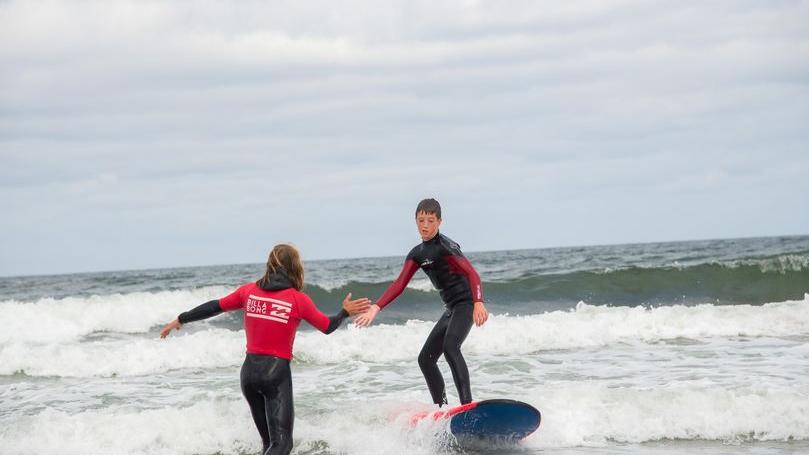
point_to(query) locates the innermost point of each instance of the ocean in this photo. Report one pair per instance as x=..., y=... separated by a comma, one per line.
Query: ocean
x=659, y=348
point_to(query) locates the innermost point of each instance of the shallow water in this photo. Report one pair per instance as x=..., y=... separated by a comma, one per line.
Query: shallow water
x=82, y=370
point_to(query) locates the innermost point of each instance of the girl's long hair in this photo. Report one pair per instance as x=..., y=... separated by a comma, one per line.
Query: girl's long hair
x=284, y=258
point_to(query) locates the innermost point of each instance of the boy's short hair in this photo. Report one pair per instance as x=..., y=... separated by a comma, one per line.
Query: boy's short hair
x=429, y=206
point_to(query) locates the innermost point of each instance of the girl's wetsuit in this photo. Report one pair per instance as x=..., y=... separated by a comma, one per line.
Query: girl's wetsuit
x=271, y=316
x=459, y=286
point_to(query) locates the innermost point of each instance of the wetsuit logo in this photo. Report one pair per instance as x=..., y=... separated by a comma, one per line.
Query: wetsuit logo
x=426, y=262
x=254, y=306
x=267, y=308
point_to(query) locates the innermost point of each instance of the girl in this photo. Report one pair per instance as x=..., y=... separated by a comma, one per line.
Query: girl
x=273, y=307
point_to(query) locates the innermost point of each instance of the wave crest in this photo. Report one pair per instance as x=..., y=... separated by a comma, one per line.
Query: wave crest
x=584, y=327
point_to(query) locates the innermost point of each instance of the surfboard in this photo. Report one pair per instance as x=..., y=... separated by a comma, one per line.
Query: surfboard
x=503, y=421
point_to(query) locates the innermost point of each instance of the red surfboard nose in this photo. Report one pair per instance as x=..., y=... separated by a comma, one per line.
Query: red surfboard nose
x=436, y=415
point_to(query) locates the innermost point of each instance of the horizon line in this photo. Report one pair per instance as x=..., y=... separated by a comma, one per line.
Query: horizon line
x=173, y=267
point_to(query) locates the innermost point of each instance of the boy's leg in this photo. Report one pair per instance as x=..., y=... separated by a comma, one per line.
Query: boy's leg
x=460, y=323
x=428, y=359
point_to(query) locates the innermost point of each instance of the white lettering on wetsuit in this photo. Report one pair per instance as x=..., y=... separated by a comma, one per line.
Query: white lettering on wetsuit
x=254, y=306
x=279, y=310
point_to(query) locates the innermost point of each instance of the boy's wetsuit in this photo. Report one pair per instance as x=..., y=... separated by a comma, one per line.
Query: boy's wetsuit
x=459, y=286
x=272, y=313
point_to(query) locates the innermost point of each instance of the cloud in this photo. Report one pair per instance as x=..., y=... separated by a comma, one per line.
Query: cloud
x=158, y=125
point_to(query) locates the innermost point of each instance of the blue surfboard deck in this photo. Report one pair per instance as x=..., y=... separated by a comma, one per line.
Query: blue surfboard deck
x=501, y=420
x=489, y=421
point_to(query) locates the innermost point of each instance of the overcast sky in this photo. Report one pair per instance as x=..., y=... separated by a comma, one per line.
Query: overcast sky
x=139, y=134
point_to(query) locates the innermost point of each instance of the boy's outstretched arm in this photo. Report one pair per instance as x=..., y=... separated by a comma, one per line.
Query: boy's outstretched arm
x=394, y=290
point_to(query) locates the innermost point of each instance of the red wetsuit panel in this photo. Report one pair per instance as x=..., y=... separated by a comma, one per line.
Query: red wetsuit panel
x=271, y=318
x=395, y=289
x=461, y=264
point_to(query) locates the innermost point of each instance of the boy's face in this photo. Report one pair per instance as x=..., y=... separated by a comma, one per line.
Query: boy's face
x=427, y=224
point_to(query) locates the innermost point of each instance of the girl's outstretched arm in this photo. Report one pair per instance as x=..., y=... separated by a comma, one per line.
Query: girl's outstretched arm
x=328, y=324
x=233, y=301
x=173, y=325
x=204, y=311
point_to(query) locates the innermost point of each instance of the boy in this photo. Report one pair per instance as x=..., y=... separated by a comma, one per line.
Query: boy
x=459, y=285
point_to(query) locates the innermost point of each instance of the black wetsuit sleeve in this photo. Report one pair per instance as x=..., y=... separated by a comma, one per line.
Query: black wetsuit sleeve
x=201, y=312
x=335, y=321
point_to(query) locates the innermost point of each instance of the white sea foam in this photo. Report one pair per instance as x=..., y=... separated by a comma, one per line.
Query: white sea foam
x=59, y=320
x=574, y=414
x=125, y=357
x=206, y=427
x=779, y=264
x=591, y=413
x=588, y=413
x=69, y=319
x=421, y=285
x=327, y=284
x=585, y=327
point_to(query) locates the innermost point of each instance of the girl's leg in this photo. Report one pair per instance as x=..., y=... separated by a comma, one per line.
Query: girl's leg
x=249, y=374
x=280, y=413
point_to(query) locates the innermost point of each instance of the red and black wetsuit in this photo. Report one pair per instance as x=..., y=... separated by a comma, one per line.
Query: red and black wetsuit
x=459, y=285
x=271, y=317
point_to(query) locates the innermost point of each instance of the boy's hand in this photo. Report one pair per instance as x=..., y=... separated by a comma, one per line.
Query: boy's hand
x=479, y=314
x=367, y=318
x=353, y=307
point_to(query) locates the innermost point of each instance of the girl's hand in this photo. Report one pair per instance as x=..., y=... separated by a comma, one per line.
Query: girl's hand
x=479, y=314
x=355, y=306
x=367, y=318
x=175, y=325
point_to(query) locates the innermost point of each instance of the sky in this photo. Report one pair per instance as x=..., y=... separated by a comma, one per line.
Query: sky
x=146, y=134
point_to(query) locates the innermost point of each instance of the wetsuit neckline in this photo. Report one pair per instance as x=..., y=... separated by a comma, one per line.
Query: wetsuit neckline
x=435, y=237
x=277, y=281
